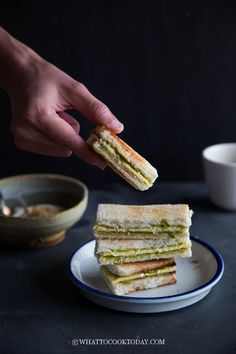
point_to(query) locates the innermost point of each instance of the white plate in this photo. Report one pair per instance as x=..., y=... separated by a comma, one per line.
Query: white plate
x=195, y=278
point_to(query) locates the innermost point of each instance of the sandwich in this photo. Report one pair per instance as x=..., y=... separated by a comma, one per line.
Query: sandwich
x=126, y=233
x=122, y=158
x=136, y=245
x=126, y=278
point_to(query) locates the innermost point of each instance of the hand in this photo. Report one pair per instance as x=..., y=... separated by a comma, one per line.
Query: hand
x=40, y=94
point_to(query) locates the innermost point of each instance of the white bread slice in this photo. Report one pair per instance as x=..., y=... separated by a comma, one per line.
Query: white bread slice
x=127, y=269
x=140, y=284
x=131, y=216
x=105, y=244
x=143, y=180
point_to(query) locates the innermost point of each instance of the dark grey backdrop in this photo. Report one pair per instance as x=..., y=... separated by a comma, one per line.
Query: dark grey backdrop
x=167, y=69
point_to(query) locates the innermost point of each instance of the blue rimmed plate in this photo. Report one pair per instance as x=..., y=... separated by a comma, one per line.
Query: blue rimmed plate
x=195, y=278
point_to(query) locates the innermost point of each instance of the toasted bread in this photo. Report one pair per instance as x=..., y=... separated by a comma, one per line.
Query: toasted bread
x=137, y=267
x=135, y=216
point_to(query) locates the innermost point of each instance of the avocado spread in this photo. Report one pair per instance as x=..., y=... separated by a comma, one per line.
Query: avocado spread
x=138, y=251
x=120, y=159
x=172, y=230
x=134, y=258
x=115, y=279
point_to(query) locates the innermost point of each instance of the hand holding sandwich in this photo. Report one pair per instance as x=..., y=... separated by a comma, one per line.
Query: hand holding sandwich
x=40, y=94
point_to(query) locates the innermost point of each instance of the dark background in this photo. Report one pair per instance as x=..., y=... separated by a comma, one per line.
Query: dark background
x=167, y=69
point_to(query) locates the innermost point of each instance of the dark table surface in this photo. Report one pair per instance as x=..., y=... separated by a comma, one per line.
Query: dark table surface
x=41, y=311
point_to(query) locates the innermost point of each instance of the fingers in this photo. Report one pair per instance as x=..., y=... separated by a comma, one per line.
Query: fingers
x=93, y=109
x=52, y=135
x=42, y=149
x=29, y=139
x=59, y=130
x=72, y=121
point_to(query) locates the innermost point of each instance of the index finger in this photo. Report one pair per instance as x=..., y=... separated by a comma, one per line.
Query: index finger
x=93, y=109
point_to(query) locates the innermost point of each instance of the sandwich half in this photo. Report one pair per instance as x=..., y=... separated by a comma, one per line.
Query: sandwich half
x=122, y=158
x=127, y=278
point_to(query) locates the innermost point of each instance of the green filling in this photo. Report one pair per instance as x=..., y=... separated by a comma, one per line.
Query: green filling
x=127, y=282
x=121, y=160
x=171, y=231
x=125, y=259
x=146, y=234
x=115, y=279
x=137, y=251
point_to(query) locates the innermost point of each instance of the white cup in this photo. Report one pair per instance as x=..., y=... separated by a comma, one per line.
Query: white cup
x=220, y=173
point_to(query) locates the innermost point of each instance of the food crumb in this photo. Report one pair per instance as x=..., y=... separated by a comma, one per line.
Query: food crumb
x=196, y=263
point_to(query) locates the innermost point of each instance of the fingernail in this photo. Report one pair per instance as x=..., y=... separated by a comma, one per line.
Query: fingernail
x=100, y=164
x=76, y=128
x=116, y=125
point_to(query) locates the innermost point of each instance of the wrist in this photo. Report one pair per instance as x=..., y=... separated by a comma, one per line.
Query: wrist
x=15, y=59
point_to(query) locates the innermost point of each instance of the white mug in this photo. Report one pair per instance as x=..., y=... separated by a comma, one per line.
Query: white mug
x=220, y=173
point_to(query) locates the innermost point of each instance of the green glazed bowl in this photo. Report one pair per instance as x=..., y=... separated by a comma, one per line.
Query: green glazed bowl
x=44, y=231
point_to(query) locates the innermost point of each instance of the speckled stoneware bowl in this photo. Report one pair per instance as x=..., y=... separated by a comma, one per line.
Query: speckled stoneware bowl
x=45, y=231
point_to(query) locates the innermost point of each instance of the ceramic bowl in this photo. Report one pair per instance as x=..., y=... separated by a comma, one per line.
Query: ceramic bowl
x=220, y=172
x=45, y=231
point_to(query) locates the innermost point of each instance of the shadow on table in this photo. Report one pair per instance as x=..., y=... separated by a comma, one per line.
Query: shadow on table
x=53, y=283
x=55, y=286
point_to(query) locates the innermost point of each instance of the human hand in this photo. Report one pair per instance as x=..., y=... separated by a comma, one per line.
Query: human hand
x=40, y=94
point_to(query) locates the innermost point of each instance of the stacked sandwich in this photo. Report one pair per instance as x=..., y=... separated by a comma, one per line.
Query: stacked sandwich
x=136, y=245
